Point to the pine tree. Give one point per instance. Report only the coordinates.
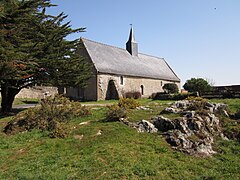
(34, 49)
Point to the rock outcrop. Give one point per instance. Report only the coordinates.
(194, 128)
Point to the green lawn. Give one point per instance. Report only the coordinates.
(118, 153)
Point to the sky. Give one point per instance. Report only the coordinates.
(198, 38)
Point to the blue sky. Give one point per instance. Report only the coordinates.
(198, 38)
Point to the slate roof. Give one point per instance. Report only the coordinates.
(114, 60)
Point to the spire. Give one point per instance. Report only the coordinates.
(131, 45)
(131, 36)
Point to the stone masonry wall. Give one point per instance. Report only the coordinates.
(130, 84)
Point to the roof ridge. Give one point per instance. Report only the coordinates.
(120, 48)
(152, 56)
(103, 44)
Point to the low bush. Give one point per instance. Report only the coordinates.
(166, 96)
(162, 96)
(52, 116)
(115, 112)
(134, 95)
(198, 103)
(128, 103)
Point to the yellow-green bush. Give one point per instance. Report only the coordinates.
(115, 112)
(128, 103)
(51, 115)
(198, 103)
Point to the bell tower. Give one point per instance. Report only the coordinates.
(131, 45)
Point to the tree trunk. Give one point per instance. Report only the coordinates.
(8, 95)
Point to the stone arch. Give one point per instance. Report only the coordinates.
(112, 92)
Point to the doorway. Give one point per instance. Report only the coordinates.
(112, 92)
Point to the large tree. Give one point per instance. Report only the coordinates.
(34, 49)
(197, 85)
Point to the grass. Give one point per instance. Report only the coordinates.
(118, 153)
(233, 104)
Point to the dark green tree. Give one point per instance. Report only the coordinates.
(197, 85)
(170, 88)
(34, 49)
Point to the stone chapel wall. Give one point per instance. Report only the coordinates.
(130, 84)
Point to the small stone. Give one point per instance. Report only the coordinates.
(84, 123)
(99, 133)
(143, 108)
(79, 137)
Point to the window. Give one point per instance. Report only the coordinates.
(161, 83)
(121, 80)
(142, 89)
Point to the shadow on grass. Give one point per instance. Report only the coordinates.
(30, 102)
(13, 113)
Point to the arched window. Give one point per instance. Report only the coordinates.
(142, 89)
(121, 80)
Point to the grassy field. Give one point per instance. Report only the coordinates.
(118, 153)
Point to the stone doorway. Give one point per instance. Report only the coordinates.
(112, 92)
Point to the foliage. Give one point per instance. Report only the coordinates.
(198, 99)
(52, 114)
(128, 103)
(197, 85)
(34, 49)
(165, 96)
(170, 88)
(231, 128)
(197, 104)
(134, 95)
(115, 113)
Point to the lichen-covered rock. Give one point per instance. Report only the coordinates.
(163, 124)
(142, 126)
(146, 126)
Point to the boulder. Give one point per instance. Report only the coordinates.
(146, 126)
(163, 124)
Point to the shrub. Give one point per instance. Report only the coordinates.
(198, 104)
(128, 103)
(134, 95)
(180, 96)
(115, 112)
(52, 116)
(165, 96)
(170, 88)
(162, 96)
